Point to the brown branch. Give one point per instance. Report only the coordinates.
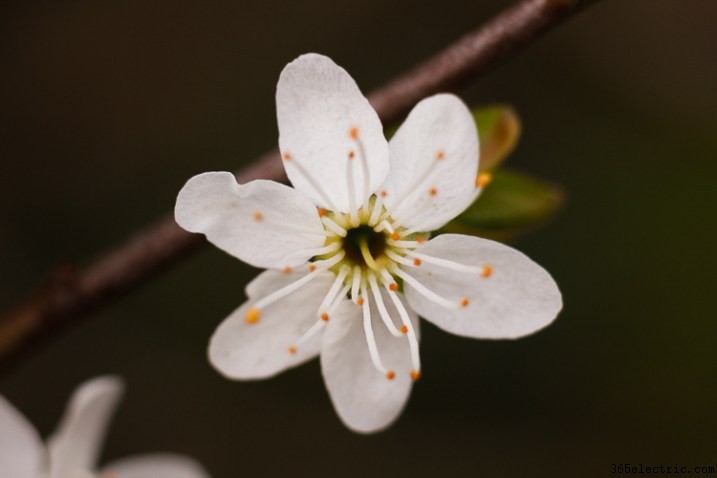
(72, 293)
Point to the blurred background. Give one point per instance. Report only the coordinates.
(108, 107)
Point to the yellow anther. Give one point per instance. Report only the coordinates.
(464, 302)
(415, 375)
(440, 155)
(359, 301)
(417, 262)
(253, 316)
(292, 350)
(258, 216)
(325, 317)
(404, 329)
(390, 375)
(312, 268)
(487, 270)
(483, 179)
(393, 287)
(287, 270)
(354, 132)
(433, 191)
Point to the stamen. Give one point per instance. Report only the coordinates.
(287, 270)
(318, 325)
(432, 192)
(283, 292)
(333, 290)
(319, 251)
(416, 262)
(390, 375)
(364, 165)
(483, 179)
(398, 258)
(353, 210)
(258, 216)
(487, 271)
(377, 208)
(366, 253)
(355, 284)
(359, 301)
(464, 302)
(322, 212)
(252, 316)
(423, 290)
(415, 375)
(335, 228)
(339, 297)
(384, 225)
(370, 339)
(403, 244)
(414, 188)
(381, 307)
(314, 183)
(407, 328)
(447, 264)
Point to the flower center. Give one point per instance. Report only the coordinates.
(365, 247)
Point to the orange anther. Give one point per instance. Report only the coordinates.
(252, 316)
(395, 236)
(415, 375)
(351, 155)
(258, 216)
(287, 270)
(417, 262)
(353, 132)
(404, 329)
(322, 212)
(384, 194)
(286, 156)
(464, 302)
(325, 317)
(483, 179)
(440, 155)
(420, 239)
(393, 287)
(359, 301)
(487, 270)
(433, 191)
(390, 375)
(312, 268)
(292, 350)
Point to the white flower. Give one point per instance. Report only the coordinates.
(355, 227)
(73, 450)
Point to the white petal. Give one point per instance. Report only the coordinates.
(245, 351)
(517, 299)
(163, 465)
(263, 223)
(363, 397)
(20, 446)
(76, 444)
(318, 106)
(434, 162)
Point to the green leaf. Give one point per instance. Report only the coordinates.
(512, 204)
(498, 131)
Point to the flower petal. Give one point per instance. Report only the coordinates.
(164, 465)
(76, 443)
(245, 351)
(20, 446)
(263, 223)
(363, 397)
(326, 126)
(517, 298)
(434, 163)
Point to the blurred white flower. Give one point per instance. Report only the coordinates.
(73, 450)
(354, 226)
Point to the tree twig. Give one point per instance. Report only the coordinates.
(72, 293)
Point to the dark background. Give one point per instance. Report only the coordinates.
(108, 107)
